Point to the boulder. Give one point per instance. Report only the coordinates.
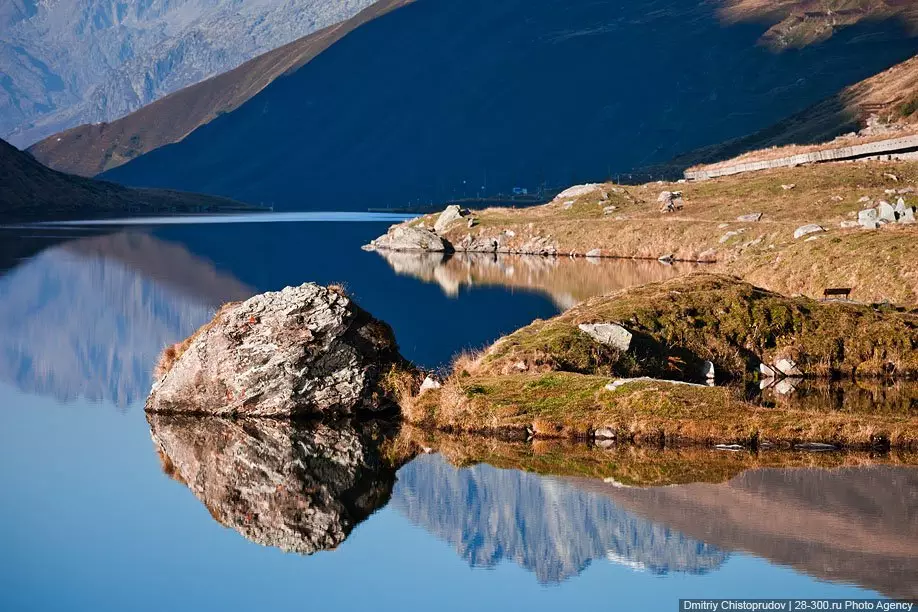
(750, 218)
(788, 187)
(610, 334)
(849, 224)
(604, 433)
(430, 383)
(804, 230)
(867, 218)
(406, 238)
(448, 216)
(787, 367)
(708, 370)
(577, 191)
(767, 371)
(594, 253)
(886, 213)
(908, 216)
(302, 351)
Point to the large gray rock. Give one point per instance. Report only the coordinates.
(610, 334)
(406, 238)
(868, 218)
(448, 216)
(300, 487)
(885, 212)
(303, 350)
(804, 230)
(750, 218)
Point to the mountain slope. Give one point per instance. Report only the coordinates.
(31, 192)
(67, 62)
(446, 99)
(886, 103)
(89, 149)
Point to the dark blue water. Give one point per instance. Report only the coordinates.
(89, 520)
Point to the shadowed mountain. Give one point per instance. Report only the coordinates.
(89, 149)
(32, 192)
(300, 487)
(886, 104)
(852, 525)
(567, 281)
(443, 99)
(88, 318)
(544, 524)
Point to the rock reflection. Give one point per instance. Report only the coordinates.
(861, 396)
(88, 318)
(566, 280)
(300, 487)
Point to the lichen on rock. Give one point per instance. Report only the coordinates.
(304, 350)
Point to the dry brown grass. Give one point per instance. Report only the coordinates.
(877, 264)
(171, 354)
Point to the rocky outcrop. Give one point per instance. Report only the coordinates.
(300, 488)
(448, 216)
(303, 350)
(404, 237)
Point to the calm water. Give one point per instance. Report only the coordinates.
(96, 515)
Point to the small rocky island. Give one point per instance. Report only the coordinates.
(634, 366)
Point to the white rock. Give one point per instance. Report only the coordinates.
(787, 367)
(908, 216)
(708, 370)
(429, 384)
(577, 191)
(750, 218)
(885, 212)
(803, 230)
(610, 334)
(864, 200)
(767, 371)
(788, 187)
(448, 216)
(849, 224)
(594, 253)
(604, 433)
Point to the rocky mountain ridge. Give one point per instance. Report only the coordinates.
(68, 62)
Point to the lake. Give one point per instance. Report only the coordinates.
(105, 510)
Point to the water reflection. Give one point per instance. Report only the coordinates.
(844, 517)
(852, 525)
(546, 525)
(298, 487)
(88, 317)
(566, 280)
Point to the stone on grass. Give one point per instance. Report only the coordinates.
(787, 367)
(849, 224)
(750, 218)
(448, 216)
(604, 433)
(908, 216)
(430, 383)
(305, 350)
(610, 334)
(594, 253)
(804, 230)
(885, 212)
(788, 187)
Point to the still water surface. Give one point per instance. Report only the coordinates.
(96, 516)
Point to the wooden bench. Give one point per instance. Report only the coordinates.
(833, 292)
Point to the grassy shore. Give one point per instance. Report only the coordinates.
(550, 379)
(877, 264)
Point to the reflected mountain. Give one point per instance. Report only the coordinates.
(546, 525)
(850, 525)
(843, 517)
(566, 280)
(87, 318)
(300, 487)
